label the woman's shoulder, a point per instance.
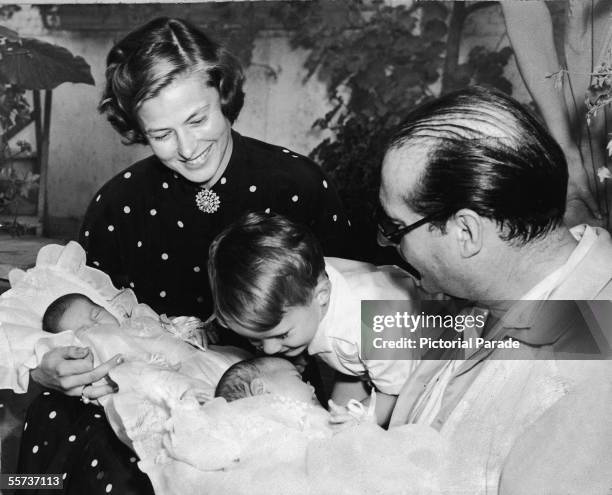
(279, 161)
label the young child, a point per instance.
(271, 284)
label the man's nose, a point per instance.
(187, 145)
(383, 241)
(271, 346)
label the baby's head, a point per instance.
(264, 375)
(75, 312)
(268, 280)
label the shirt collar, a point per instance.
(536, 309)
(321, 342)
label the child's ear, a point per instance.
(258, 387)
(322, 291)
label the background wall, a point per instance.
(280, 106)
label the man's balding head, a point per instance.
(478, 148)
(481, 180)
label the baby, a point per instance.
(79, 313)
(265, 375)
(75, 312)
(277, 376)
(171, 348)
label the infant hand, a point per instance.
(353, 413)
(340, 415)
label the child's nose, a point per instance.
(271, 346)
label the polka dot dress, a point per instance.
(63, 435)
(145, 229)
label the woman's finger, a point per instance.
(93, 392)
(75, 366)
(91, 376)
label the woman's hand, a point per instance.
(70, 370)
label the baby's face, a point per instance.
(284, 379)
(83, 314)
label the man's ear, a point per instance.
(257, 387)
(322, 291)
(468, 228)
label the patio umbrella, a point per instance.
(36, 65)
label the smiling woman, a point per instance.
(170, 87)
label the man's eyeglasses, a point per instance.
(393, 232)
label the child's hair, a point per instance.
(260, 266)
(54, 313)
(236, 381)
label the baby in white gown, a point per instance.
(146, 338)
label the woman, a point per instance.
(149, 228)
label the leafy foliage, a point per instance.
(377, 62)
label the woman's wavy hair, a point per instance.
(153, 56)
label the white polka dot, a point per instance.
(98, 197)
(25, 426)
(87, 233)
(111, 228)
(72, 438)
(162, 293)
(324, 183)
(127, 175)
(286, 151)
(132, 459)
(132, 285)
(64, 476)
(180, 224)
(164, 256)
(52, 414)
(175, 176)
(165, 185)
(126, 209)
(108, 488)
(223, 180)
(335, 217)
(200, 299)
(267, 211)
(97, 263)
(94, 463)
(139, 243)
(294, 198)
(196, 269)
(97, 416)
(349, 222)
(153, 212)
(35, 449)
(46, 393)
(295, 156)
(253, 188)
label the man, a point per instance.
(473, 191)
